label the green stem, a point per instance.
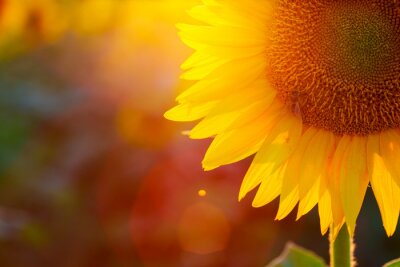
(341, 249)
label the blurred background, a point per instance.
(91, 174)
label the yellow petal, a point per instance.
(390, 150)
(287, 203)
(229, 109)
(353, 180)
(225, 52)
(313, 167)
(237, 144)
(201, 71)
(270, 187)
(276, 149)
(325, 211)
(310, 199)
(232, 13)
(189, 112)
(205, 14)
(198, 59)
(334, 182)
(255, 111)
(314, 160)
(335, 228)
(290, 188)
(386, 191)
(212, 35)
(219, 82)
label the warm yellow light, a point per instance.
(202, 193)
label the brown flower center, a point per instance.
(336, 63)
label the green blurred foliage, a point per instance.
(15, 129)
(394, 263)
(295, 256)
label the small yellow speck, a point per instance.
(202, 193)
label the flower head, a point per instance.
(312, 88)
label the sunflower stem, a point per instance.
(341, 249)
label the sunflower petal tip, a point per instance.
(173, 114)
(390, 232)
(241, 195)
(209, 163)
(351, 229)
(298, 217)
(324, 231)
(167, 114)
(279, 217)
(257, 203)
(207, 167)
(186, 133)
(335, 231)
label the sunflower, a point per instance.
(312, 89)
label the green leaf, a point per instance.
(295, 256)
(393, 263)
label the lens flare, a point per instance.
(203, 229)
